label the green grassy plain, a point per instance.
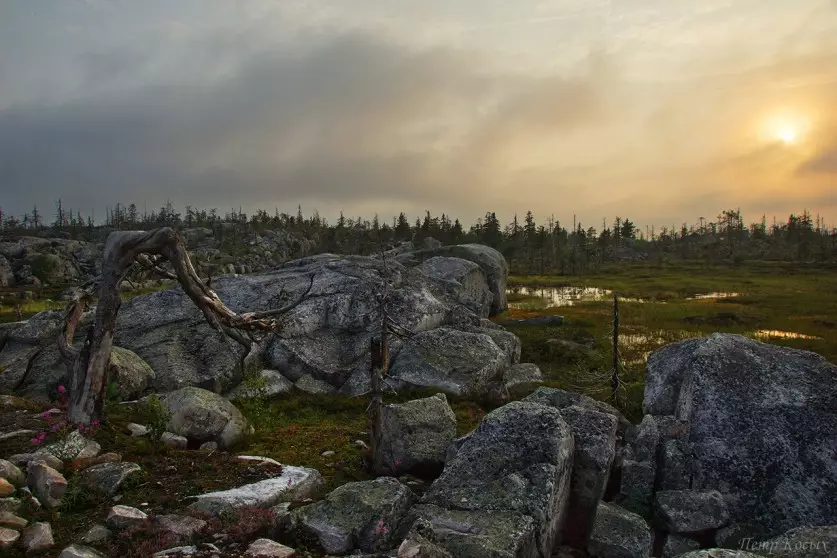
(773, 297)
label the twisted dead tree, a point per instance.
(124, 250)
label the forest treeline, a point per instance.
(530, 246)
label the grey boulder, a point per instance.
(518, 460)
(363, 515)
(204, 416)
(760, 418)
(690, 511)
(417, 434)
(619, 533)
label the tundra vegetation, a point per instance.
(777, 284)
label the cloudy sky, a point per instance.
(659, 110)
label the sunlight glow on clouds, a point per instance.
(656, 109)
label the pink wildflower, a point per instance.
(62, 389)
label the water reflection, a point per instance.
(779, 334)
(713, 295)
(556, 297)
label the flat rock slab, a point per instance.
(266, 548)
(181, 526)
(37, 537)
(80, 551)
(8, 537)
(295, 483)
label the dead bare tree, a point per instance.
(123, 249)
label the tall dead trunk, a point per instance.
(89, 366)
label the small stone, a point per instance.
(124, 517)
(266, 548)
(361, 444)
(182, 526)
(79, 551)
(174, 441)
(209, 446)
(8, 537)
(10, 504)
(47, 484)
(327, 453)
(12, 521)
(96, 534)
(38, 537)
(90, 450)
(11, 473)
(6, 488)
(27, 459)
(137, 429)
(106, 479)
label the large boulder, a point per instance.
(761, 423)
(457, 362)
(204, 416)
(490, 261)
(466, 280)
(363, 515)
(131, 375)
(517, 461)
(325, 338)
(417, 434)
(595, 446)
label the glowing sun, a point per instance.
(786, 134)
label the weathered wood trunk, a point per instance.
(89, 366)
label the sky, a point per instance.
(662, 111)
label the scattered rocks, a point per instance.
(295, 483)
(47, 484)
(690, 511)
(37, 537)
(417, 434)
(266, 548)
(359, 515)
(618, 533)
(204, 416)
(124, 517)
(106, 479)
